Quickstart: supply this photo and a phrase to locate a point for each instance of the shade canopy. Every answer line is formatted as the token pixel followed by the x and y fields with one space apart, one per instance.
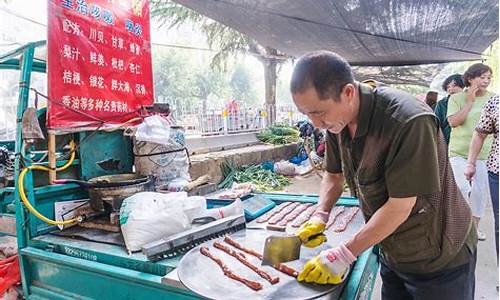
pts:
pixel 365 32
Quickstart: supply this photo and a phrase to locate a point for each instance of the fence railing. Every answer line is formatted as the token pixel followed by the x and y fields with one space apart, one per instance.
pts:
pixel 223 121
pixel 196 121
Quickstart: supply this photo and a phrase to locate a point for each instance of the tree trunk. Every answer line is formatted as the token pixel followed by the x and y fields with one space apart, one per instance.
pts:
pixel 270 75
pixel 204 105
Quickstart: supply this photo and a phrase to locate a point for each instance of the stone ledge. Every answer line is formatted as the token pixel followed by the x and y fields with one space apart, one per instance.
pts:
pixel 210 163
pixel 200 145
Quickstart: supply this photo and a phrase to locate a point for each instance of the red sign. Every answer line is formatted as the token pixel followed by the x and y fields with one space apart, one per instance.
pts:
pixel 99 62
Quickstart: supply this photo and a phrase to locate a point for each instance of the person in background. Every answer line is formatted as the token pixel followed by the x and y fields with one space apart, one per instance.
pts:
pixel 452 85
pixel 321 147
pixel 431 99
pixel 488 124
pixel 463 114
pixel 390 150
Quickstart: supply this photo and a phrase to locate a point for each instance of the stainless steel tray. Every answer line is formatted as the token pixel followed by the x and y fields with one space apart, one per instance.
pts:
pixel 204 277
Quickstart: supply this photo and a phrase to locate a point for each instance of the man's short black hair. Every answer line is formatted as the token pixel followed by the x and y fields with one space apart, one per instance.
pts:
pixel 324 71
pixel 474 71
pixel 457 78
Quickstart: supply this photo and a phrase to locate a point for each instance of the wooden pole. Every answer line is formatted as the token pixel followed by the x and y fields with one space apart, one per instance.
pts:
pixel 52 157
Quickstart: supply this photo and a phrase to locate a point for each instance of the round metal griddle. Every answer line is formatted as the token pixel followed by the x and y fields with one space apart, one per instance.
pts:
pixel 204 277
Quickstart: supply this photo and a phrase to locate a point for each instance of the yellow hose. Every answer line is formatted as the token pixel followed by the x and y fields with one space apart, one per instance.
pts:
pixel 27 203
pixel 121 125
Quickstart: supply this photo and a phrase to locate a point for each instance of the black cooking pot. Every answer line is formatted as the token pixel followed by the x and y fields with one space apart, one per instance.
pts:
pixel 107 193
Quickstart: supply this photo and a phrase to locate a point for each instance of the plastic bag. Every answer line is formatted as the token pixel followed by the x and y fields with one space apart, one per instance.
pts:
pixel 285 168
pixel 177 185
pixel 304 167
pixel 9 273
pixel 233 209
pixel 194 207
pixel 146 217
pixel 154 129
pixel 160 151
pixel 30 126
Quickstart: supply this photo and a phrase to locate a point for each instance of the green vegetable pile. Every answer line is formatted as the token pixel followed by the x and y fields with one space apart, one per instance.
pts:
pixel 264 180
pixel 279 134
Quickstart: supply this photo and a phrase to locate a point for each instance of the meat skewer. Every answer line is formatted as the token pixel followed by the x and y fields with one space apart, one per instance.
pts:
pixel 334 214
pixel 346 219
pixel 279 216
pixel 286 269
pixel 294 214
pixel 254 285
pixel 276 227
pixel 242 258
pixel 305 216
pixel 280 267
pixel 236 245
pixel 272 212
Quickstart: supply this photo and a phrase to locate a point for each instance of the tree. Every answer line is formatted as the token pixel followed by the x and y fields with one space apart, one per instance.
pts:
pixel 185 84
pixel 241 85
pixel 207 84
pixel 229 42
pixel 170 79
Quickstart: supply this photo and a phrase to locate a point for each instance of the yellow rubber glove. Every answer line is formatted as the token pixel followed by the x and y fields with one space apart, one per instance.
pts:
pixel 329 267
pixel 310 233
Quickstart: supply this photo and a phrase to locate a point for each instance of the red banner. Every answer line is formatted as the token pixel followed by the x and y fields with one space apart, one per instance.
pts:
pixel 99 62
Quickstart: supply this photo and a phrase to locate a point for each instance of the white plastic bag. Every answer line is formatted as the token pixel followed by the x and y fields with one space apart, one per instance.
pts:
pixel 146 217
pixel 194 207
pixel 304 167
pixel 154 129
pixel 160 150
pixel 233 209
pixel 285 168
pixel 177 185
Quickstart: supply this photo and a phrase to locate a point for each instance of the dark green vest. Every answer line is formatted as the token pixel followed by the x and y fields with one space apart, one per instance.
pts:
pixel 439 223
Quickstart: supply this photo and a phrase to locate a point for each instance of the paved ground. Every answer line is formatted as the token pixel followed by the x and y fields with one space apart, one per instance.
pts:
pixel 486 269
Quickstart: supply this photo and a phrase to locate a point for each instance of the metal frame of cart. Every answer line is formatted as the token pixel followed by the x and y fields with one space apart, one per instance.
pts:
pixel 54 267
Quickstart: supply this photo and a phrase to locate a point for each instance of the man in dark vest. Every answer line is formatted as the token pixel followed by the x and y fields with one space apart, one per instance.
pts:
pixel 388 147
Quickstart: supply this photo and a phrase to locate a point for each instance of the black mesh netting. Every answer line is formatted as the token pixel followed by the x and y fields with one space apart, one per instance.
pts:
pixel 365 32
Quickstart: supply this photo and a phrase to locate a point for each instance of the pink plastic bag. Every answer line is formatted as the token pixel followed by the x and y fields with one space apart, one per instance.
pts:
pixel 9 273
